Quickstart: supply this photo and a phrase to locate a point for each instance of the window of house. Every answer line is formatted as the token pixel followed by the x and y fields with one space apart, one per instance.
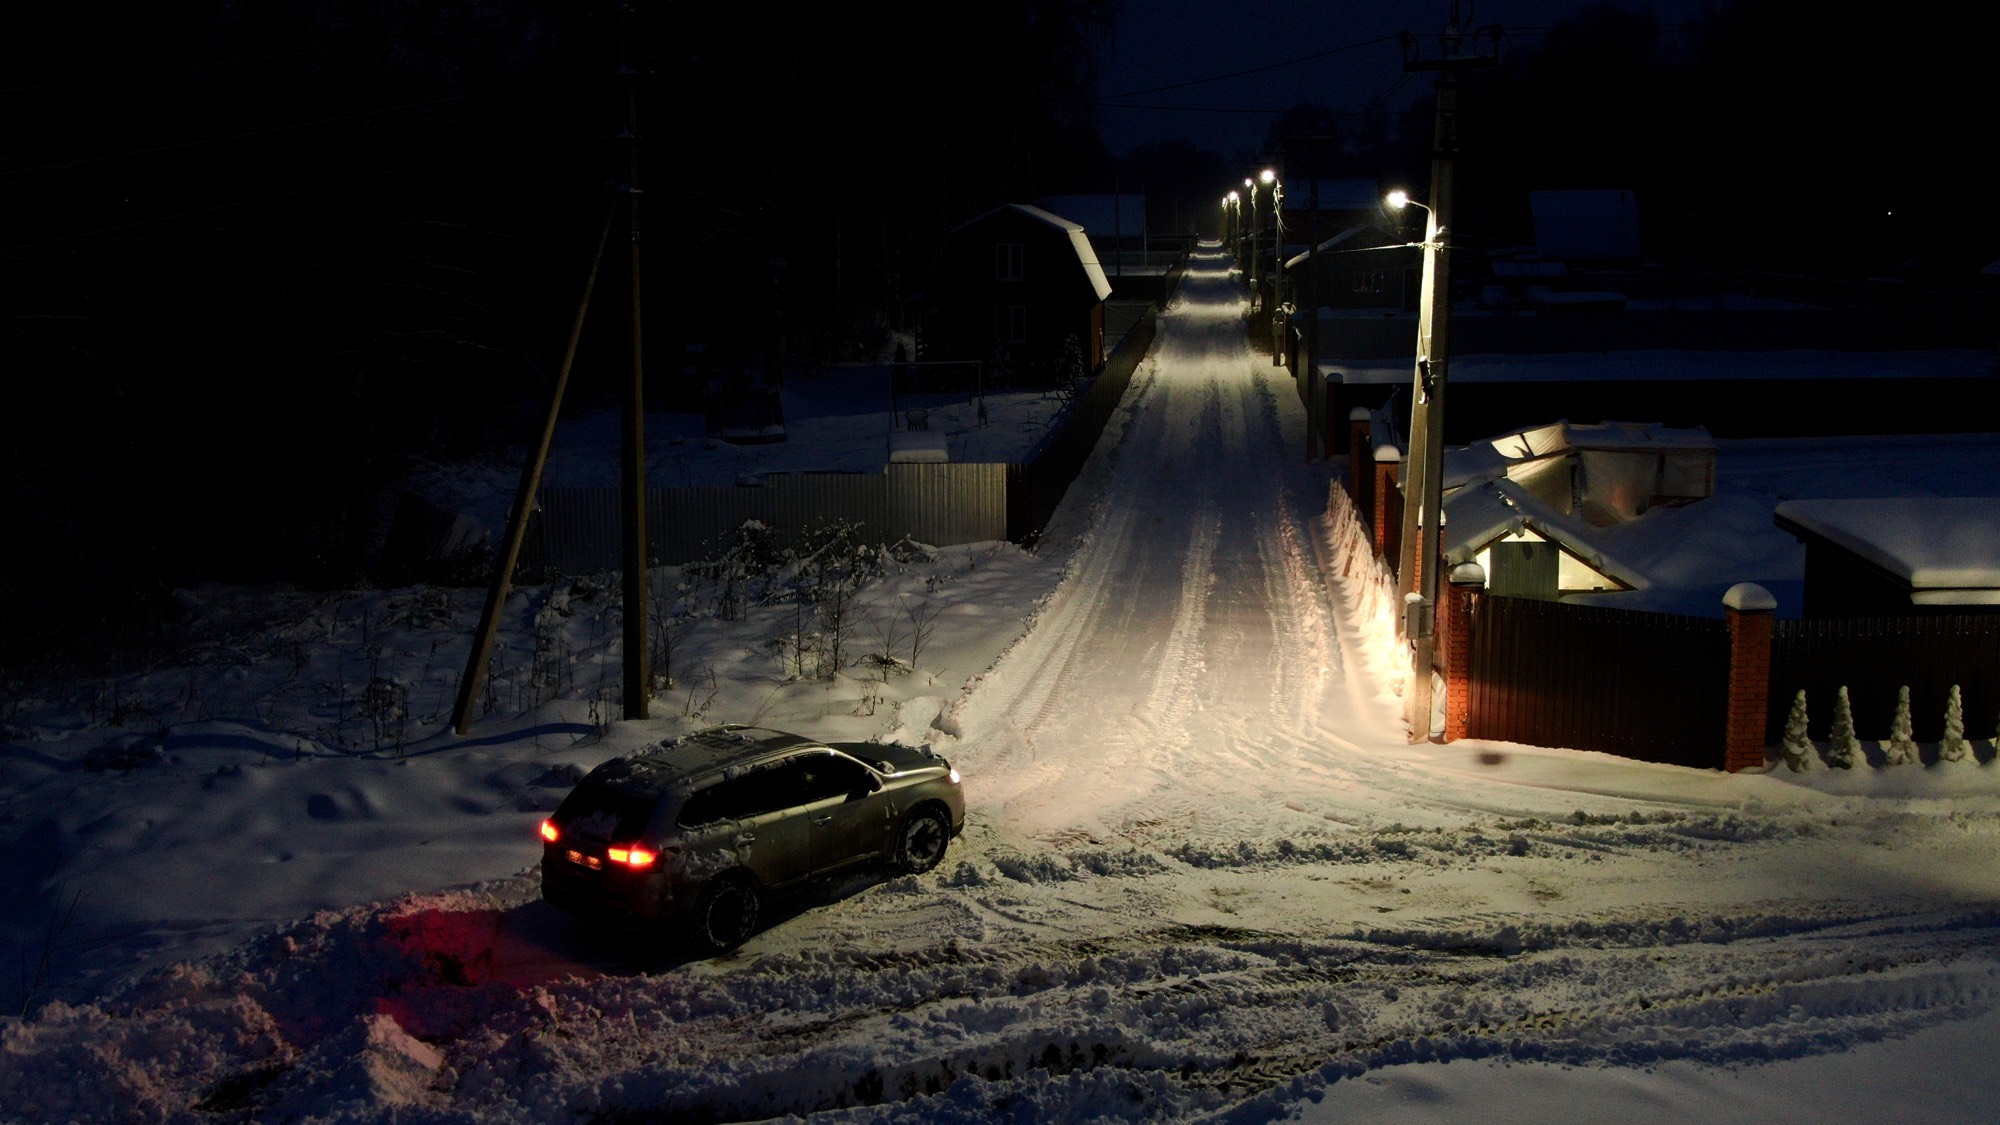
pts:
pixel 1010 324
pixel 1007 261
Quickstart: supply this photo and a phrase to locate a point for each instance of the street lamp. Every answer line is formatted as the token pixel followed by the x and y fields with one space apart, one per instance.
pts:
pixel 1277 267
pixel 1232 214
pixel 1250 189
pixel 1423 519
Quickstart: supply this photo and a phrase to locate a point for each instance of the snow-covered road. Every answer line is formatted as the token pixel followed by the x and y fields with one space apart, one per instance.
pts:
pixel 1193 668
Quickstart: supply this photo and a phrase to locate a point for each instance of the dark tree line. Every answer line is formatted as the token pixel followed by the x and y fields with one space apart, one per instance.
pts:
pixel 1777 134
pixel 258 257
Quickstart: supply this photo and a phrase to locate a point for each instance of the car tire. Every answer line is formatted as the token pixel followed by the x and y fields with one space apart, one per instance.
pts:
pixel 921 841
pixel 726 914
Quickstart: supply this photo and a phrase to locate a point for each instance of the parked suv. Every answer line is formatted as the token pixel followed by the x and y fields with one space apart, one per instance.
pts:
pixel 699 832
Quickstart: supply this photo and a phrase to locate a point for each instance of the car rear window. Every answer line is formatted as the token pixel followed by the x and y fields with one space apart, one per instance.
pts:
pixel 604 813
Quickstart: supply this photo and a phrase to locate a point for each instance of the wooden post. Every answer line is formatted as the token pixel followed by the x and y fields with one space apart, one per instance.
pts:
pixel 1750 609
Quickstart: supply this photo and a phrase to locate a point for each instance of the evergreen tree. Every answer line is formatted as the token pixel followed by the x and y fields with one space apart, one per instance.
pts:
pixel 1843 749
pixel 1954 747
pixel 1901 749
pixel 1797 747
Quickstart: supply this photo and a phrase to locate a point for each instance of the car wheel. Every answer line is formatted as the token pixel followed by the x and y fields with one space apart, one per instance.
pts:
pixel 726 915
pixel 921 843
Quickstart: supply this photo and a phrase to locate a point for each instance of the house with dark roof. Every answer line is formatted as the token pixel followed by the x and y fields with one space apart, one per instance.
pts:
pixel 1019 289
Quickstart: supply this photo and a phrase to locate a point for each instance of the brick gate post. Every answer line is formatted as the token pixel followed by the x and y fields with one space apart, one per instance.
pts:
pixel 1360 460
pixel 1388 469
pixel 1750 609
pixel 1468 579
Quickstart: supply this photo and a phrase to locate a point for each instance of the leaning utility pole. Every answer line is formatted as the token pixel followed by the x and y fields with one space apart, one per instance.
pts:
pixel 1422 551
pixel 633 472
pixel 524 503
pixel 632 477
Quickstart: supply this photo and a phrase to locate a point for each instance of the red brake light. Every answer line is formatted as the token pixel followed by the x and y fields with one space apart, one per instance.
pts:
pixel 549 831
pixel 635 858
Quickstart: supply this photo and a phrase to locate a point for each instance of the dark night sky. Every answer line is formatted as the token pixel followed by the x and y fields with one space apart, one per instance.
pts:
pixel 1349 50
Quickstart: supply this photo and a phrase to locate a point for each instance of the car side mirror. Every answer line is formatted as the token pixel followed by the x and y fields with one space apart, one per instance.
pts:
pixel 869 784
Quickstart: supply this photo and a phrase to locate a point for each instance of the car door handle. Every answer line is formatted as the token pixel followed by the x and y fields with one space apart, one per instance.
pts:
pixel 745 837
pixel 822 820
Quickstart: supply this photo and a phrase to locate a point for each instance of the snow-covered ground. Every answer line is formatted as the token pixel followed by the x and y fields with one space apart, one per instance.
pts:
pixel 1205 876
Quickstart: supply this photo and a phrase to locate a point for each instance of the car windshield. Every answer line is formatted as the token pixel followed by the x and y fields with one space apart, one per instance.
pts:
pixel 604 813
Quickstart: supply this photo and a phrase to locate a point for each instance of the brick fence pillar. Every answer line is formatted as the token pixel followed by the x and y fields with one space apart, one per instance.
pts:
pixel 1750 610
pixel 1387 472
pixel 1361 461
pixel 1468 580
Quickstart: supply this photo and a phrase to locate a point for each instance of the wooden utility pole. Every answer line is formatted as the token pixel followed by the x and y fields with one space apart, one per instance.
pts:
pixel 632 477
pixel 1422 554
pixel 524 505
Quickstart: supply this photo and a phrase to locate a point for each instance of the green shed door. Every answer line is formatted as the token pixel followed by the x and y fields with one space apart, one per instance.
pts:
pixel 1524 570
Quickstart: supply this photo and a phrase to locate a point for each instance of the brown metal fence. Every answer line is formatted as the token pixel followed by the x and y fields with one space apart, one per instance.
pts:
pixel 1873 657
pixel 1650 686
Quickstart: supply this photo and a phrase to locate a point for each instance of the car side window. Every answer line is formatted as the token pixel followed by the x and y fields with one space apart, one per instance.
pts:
pixel 731 799
pixel 829 775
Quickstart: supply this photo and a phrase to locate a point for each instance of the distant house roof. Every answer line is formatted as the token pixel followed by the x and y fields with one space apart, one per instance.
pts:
pixel 1085 254
pixel 1105 216
pixel 1350 238
pixel 1592 224
pixel 1946 548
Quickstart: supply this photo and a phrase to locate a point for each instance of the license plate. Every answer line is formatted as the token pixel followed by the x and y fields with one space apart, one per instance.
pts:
pixel 583 860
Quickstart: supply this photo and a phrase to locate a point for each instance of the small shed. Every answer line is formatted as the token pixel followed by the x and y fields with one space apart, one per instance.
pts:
pixel 1897 556
pixel 1022 284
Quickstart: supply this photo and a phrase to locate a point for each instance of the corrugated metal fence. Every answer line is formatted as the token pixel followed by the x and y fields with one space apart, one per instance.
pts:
pixel 936 504
pixel 1873 657
pixel 1650 686
pixel 577 529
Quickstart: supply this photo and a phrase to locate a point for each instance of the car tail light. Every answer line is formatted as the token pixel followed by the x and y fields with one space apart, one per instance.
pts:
pixel 637 859
pixel 549 831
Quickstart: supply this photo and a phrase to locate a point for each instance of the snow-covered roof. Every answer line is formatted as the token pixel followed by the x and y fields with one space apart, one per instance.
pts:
pixel 1085 253
pixel 1477 515
pixel 1340 241
pixel 1946 548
